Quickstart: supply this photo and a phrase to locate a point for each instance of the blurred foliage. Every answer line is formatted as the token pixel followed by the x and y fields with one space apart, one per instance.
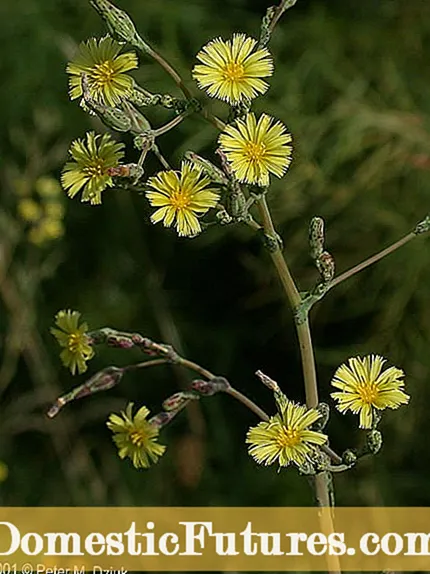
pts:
pixel 351 83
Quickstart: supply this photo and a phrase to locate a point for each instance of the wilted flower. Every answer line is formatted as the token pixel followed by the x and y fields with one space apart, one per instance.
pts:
pixel 90 169
pixel 181 196
pixel 104 69
pixel 72 336
pixel 366 388
pixel 232 70
pixel 256 149
pixel 286 438
pixel 136 437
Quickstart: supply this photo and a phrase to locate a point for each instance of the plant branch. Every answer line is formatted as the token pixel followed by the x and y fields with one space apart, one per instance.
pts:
pixel 371 260
pixel 283 6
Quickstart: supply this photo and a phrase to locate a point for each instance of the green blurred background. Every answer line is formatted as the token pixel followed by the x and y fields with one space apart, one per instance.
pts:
pixel 352 83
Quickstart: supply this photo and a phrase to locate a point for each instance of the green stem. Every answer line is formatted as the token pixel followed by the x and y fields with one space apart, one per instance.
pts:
pixel 371 260
pixel 219 124
pixel 303 333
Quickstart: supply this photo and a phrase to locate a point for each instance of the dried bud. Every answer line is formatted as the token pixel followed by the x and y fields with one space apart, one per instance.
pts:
pixel 178 401
pixel 101 381
pixel 209 388
pixel 316 237
pixel 326 266
pixel 128 170
pixel 270 383
pixel 162 419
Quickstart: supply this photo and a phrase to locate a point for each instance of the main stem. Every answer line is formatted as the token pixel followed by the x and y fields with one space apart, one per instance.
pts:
pixel 307 357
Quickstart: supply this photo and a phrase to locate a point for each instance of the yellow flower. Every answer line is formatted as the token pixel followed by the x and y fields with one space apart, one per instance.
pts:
pixel 254 150
pixel 366 388
pixel 232 70
pixel 48 187
pixel 286 437
pixel 29 210
pixel 136 437
pixel 181 196
pixel 90 169
pixel 73 337
pixel 104 68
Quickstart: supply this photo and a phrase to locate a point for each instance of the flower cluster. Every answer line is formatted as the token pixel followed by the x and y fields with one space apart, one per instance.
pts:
pixel 250 149
pixel 233 70
pixel 42 211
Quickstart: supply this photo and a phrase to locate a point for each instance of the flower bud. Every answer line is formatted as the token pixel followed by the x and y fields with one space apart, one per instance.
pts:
pixel 326 266
pixel 101 381
pixel 119 24
pixel 178 401
pixel 316 237
pixel 209 388
pixel 374 441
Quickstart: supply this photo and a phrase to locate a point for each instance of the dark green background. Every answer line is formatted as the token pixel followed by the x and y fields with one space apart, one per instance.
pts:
pixel 352 83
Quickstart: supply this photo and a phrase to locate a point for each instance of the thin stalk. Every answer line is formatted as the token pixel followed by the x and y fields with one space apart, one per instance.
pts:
pixel 173 123
pixel 283 6
pixel 219 124
pixel 371 260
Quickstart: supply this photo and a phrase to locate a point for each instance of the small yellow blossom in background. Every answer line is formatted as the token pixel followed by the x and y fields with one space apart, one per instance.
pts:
pixel 47 187
pixel 4 471
pixel 366 388
pixel 72 336
pixel 135 437
pixel 256 149
pixel 89 170
pixel 42 211
pixel 232 70
pixel 105 70
pixel 181 196
pixel 285 438
pixel 29 210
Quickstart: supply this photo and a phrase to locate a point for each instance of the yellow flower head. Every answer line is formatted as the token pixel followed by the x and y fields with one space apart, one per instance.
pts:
pixel 285 438
pixel 136 437
pixel 104 68
pixel 181 196
pixel 90 169
pixel 256 149
pixel 29 210
pixel 232 70
pixel 72 336
pixel 366 388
